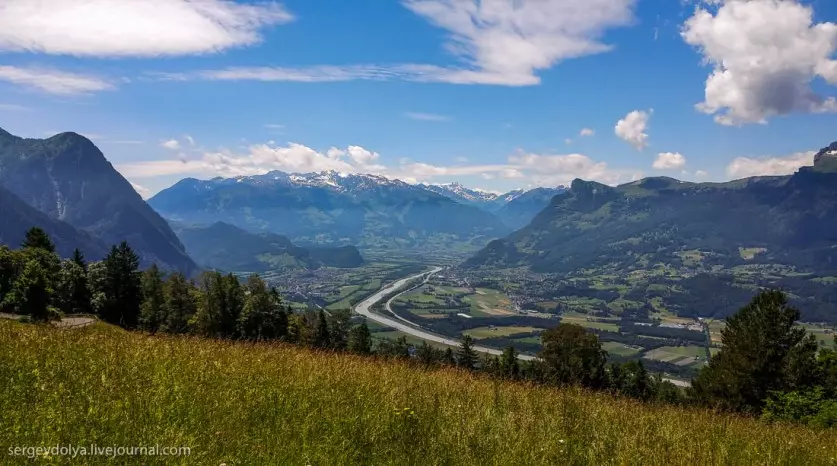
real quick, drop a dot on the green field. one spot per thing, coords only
(489, 332)
(620, 349)
(679, 355)
(236, 403)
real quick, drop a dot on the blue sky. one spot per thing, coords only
(493, 93)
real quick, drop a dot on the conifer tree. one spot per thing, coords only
(763, 351)
(122, 287)
(152, 310)
(509, 367)
(37, 238)
(466, 357)
(360, 339)
(180, 304)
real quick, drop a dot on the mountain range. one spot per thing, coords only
(793, 219)
(330, 208)
(782, 229)
(225, 247)
(68, 180)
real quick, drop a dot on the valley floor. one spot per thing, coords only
(273, 404)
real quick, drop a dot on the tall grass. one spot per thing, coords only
(238, 403)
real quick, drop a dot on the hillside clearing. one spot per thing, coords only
(276, 404)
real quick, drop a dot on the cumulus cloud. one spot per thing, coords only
(586, 132)
(669, 161)
(426, 116)
(701, 174)
(508, 41)
(743, 167)
(632, 129)
(171, 144)
(53, 81)
(553, 170)
(259, 159)
(765, 54)
(120, 28)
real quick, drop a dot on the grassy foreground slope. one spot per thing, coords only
(272, 404)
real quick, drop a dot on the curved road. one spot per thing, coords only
(364, 308)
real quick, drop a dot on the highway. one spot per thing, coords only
(364, 308)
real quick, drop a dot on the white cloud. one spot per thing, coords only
(669, 161)
(461, 159)
(171, 144)
(496, 42)
(553, 170)
(141, 28)
(258, 159)
(508, 41)
(765, 54)
(144, 192)
(274, 126)
(632, 129)
(426, 116)
(534, 169)
(586, 132)
(743, 167)
(54, 81)
(701, 174)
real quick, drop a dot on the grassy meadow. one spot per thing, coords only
(240, 403)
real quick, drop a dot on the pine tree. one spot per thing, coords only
(447, 357)
(78, 259)
(180, 304)
(360, 339)
(320, 335)
(509, 366)
(340, 324)
(466, 357)
(763, 351)
(263, 317)
(233, 305)
(426, 354)
(122, 287)
(36, 238)
(152, 310)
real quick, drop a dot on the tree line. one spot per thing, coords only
(768, 366)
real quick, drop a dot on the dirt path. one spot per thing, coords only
(65, 322)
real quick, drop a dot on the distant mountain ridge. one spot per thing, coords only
(225, 247)
(792, 218)
(331, 208)
(69, 179)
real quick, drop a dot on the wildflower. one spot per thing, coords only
(561, 441)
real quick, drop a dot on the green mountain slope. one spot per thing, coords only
(226, 247)
(68, 178)
(18, 217)
(713, 238)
